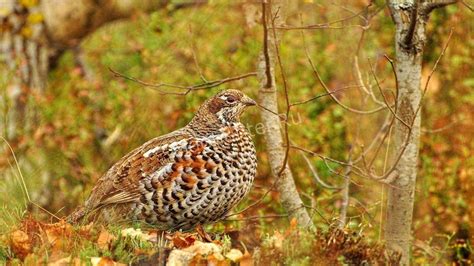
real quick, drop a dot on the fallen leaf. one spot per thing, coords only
(104, 261)
(105, 239)
(206, 249)
(246, 260)
(216, 260)
(292, 228)
(58, 233)
(234, 255)
(203, 234)
(181, 240)
(21, 244)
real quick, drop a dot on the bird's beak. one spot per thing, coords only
(248, 101)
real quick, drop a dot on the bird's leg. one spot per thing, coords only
(203, 234)
(163, 250)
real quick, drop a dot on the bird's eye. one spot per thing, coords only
(231, 99)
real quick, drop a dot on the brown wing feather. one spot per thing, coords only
(120, 183)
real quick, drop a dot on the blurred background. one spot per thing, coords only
(86, 118)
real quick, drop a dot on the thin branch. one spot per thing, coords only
(285, 89)
(377, 136)
(467, 5)
(186, 89)
(437, 62)
(195, 59)
(440, 129)
(383, 95)
(318, 27)
(316, 175)
(328, 159)
(322, 95)
(385, 136)
(281, 116)
(318, 76)
(430, 5)
(361, 82)
(392, 172)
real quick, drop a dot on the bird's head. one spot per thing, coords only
(225, 107)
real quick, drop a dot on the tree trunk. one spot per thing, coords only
(267, 97)
(23, 46)
(410, 18)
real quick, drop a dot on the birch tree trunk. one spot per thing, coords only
(267, 97)
(410, 18)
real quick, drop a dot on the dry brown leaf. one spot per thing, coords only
(58, 234)
(181, 240)
(246, 259)
(234, 255)
(20, 243)
(105, 239)
(205, 249)
(216, 260)
(292, 228)
(105, 261)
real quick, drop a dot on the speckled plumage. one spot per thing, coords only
(191, 176)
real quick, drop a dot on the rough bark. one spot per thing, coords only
(410, 18)
(267, 97)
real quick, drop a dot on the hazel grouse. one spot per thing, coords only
(191, 176)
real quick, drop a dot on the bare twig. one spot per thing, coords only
(316, 175)
(382, 130)
(467, 5)
(436, 130)
(437, 62)
(430, 5)
(195, 59)
(391, 172)
(285, 89)
(323, 84)
(186, 89)
(361, 83)
(385, 98)
(322, 95)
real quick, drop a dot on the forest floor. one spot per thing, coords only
(35, 242)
